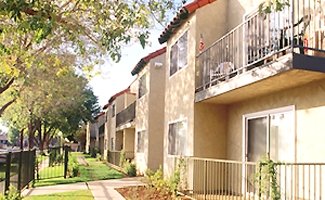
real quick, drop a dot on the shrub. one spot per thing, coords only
(156, 179)
(73, 166)
(98, 157)
(93, 152)
(170, 184)
(130, 169)
(122, 159)
(11, 194)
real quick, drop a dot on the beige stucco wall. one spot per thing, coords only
(179, 98)
(156, 106)
(211, 22)
(142, 123)
(119, 103)
(112, 127)
(210, 128)
(129, 99)
(129, 137)
(309, 102)
(237, 9)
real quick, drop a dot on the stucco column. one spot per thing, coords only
(87, 138)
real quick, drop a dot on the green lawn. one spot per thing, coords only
(80, 195)
(96, 170)
(54, 171)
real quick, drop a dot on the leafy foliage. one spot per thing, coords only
(266, 177)
(170, 184)
(11, 194)
(273, 5)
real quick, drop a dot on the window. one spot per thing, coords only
(142, 85)
(113, 110)
(140, 141)
(178, 55)
(177, 138)
(270, 133)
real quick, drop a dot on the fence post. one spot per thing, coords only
(34, 165)
(66, 160)
(8, 165)
(19, 169)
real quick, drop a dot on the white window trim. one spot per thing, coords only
(170, 47)
(174, 122)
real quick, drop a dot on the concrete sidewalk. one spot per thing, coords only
(103, 189)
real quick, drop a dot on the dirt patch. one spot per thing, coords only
(146, 193)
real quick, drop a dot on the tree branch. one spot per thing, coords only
(4, 107)
(7, 85)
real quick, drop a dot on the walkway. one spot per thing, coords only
(103, 189)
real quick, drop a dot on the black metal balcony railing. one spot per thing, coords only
(125, 116)
(260, 39)
(226, 179)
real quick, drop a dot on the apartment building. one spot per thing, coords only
(119, 126)
(149, 123)
(241, 86)
(94, 134)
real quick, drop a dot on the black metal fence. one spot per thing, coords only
(21, 168)
(51, 163)
(17, 169)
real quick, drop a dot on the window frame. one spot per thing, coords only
(176, 44)
(178, 152)
(142, 80)
(113, 110)
(142, 133)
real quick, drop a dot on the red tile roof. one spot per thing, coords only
(140, 65)
(99, 114)
(181, 17)
(127, 90)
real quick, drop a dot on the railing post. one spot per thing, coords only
(66, 160)
(8, 165)
(260, 181)
(19, 170)
(205, 178)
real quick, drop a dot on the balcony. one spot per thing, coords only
(284, 49)
(113, 157)
(225, 179)
(126, 116)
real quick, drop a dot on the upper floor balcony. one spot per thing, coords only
(126, 116)
(277, 48)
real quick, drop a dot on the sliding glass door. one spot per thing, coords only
(270, 134)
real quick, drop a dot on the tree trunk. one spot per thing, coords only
(31, 134)
(22, 139)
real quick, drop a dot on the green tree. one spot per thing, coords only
(86, 29)
(52, 99)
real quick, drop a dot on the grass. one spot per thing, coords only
(54, 171)
(80, 195)
(96, 170)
